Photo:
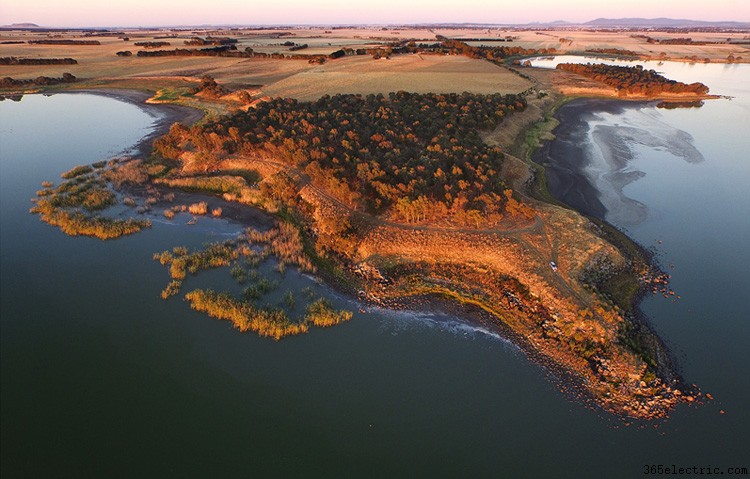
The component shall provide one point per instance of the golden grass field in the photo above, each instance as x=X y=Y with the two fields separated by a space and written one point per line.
x=582 y=40
x=98 y=66
x=414 y=73
x=101 y=62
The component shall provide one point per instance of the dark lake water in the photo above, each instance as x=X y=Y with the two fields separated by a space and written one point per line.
x=102 y=378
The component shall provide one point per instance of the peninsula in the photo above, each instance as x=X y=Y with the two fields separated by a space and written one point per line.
x=395 y=163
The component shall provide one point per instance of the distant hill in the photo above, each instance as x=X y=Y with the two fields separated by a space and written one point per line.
x=21 y=25
x=661 y=23
x=605 y=23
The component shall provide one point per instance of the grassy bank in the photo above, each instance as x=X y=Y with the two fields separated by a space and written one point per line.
x=624 y=287
x=528 y=143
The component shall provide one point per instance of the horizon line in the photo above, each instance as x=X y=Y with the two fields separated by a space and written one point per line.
x=561 y=23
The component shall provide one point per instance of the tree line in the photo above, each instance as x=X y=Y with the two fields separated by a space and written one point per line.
x=634 y=80
x=678 y=41
x=9 y=82
x=37 y=61
x=64 y=42
x=152 y=44
x=414 y=156
x=613 y=51
x=230 y=51
x=445 y=46
x=218 y=41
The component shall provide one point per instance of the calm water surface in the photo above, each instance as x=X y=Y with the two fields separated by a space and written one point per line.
x=102 y=378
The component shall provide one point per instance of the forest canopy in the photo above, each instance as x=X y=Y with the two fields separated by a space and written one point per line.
x=416 y=155
x=634 y=80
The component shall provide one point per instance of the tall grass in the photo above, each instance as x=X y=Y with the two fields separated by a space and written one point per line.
x=75 y=223
x=321 y=314
x=70 y=206
x=77 y=171
x=274 y=323
x=233 y=185
x=285 y=242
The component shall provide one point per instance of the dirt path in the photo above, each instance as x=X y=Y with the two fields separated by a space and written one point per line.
x=538 y=227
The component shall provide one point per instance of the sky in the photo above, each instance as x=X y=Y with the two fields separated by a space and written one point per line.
x=131 y=13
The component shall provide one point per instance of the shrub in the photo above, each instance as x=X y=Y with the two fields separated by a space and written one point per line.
x=198 y=208
x=77 y=171
x=321 y=314
x=130 y=172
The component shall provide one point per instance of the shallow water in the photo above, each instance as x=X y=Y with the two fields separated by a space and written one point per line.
x=685 y=196
x=100 y=377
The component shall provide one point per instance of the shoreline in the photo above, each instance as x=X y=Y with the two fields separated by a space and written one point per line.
x=643 y=58
x=573 y=385
x=567 y=182
x=570 y=385
x=165 y=114
x=567 y=382
x=592 y=180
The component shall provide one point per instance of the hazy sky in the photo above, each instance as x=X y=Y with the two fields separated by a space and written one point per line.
x=69 y=13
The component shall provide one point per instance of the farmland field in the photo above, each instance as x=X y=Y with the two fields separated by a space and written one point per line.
x=414 y=73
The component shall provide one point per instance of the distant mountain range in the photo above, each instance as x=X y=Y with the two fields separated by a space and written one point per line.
x=21 y=25
x=609 y=23
x=661 y=22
